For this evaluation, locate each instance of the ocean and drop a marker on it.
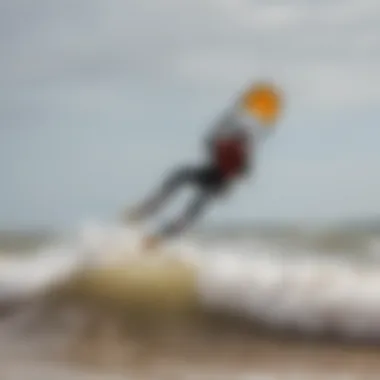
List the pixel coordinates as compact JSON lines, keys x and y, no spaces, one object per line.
{"x":265,"y":302}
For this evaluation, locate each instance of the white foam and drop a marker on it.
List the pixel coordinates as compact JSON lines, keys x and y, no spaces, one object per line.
{"x":26,"y":276}
{"x":311,"y":295}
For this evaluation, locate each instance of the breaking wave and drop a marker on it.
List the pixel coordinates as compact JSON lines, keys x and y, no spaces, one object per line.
{"x":106,"y":270}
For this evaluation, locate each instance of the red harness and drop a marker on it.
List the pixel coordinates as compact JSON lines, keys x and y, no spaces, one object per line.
{"x":230,"y":156}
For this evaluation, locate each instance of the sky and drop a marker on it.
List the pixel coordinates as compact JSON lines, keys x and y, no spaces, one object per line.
{"x":100,"y":98}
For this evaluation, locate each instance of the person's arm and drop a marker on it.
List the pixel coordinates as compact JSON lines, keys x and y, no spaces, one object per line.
{"x":223,"y":127}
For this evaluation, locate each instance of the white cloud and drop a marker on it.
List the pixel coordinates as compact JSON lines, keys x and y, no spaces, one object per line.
{"x":325,"y":53}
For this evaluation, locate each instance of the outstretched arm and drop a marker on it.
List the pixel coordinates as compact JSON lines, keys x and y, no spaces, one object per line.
{"x":222,"y":127}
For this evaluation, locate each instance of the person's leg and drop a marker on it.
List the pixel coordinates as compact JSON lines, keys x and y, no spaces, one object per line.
{"x":192,"y":213}
{"x":211,"y":185}
{"x":173,"y":183}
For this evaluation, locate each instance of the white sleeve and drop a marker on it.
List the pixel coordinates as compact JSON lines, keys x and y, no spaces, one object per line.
{"x":234,"y":121}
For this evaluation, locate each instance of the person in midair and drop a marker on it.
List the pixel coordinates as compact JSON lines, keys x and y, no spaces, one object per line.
{"x":232,"y":148}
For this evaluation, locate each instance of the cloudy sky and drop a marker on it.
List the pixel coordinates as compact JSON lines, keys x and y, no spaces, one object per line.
{"x":100,"y":97}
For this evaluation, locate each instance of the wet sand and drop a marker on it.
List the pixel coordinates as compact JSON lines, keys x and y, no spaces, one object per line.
{"x":220,"y":347}
{"x":222,"y":358}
